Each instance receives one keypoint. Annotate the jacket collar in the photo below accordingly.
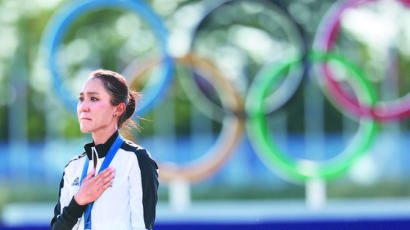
(102, 149)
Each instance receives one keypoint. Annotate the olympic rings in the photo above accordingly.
(325, 40)
(259, 101)
(304, 169)
(205, 105)
(229, 137)
(60, 22)
(292, 31)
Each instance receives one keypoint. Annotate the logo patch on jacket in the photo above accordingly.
(76, 182)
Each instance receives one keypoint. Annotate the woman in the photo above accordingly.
(113, 184)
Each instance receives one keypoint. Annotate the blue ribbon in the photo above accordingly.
(110, 155)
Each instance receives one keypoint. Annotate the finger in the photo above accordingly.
(102, 188)
(107, 171)
(107, 185)
(107, 179)
(90, 174)
(102, 179)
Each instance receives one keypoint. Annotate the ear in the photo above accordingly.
(119, 109)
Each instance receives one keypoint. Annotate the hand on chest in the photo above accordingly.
(119, 183)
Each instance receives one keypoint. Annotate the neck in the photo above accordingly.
(101, 136)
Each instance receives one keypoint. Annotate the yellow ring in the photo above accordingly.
(232, 128)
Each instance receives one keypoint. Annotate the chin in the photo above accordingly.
(85, 129)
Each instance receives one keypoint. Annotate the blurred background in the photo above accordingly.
(198, 65)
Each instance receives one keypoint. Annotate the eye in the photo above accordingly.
(94, 99)
(80, 98)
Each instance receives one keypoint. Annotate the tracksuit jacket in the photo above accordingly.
(128, 204)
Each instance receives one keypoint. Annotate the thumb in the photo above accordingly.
(91, 174)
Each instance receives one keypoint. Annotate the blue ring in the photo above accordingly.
(62, 19)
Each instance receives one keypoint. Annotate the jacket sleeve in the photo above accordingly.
(143, 179)
(67, 217)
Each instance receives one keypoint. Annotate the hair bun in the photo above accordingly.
(132, 104)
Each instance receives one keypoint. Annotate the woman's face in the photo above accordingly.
(94, 108)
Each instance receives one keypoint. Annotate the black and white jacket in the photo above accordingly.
(128, 204)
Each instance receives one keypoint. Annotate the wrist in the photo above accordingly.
(79, 200)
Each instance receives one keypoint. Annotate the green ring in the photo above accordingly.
(302, 170)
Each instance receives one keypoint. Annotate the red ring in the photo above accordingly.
(380, 111)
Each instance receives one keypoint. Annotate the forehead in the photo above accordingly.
(94, 86)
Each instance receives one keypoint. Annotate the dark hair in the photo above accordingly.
(119, 91)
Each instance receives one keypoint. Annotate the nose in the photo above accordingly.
(83, 106)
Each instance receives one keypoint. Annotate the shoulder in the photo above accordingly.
(130, 146)
(76, 159)
(142, 154)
